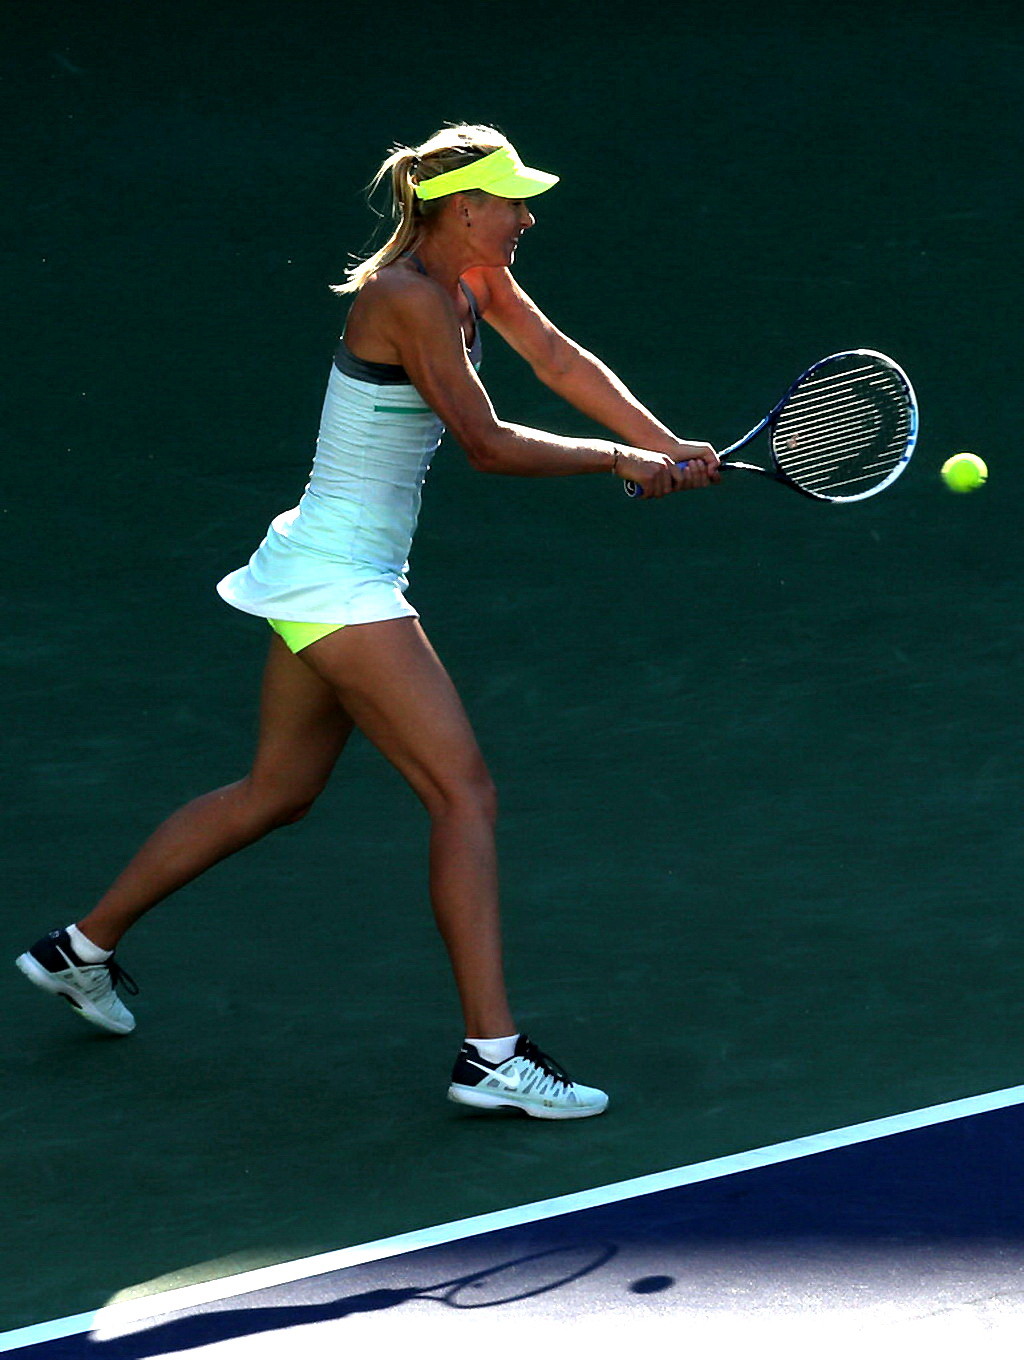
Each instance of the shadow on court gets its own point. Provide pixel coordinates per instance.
(515, 1280)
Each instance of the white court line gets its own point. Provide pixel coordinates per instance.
(119, 1315)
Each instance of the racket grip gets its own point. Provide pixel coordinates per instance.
(632, 489)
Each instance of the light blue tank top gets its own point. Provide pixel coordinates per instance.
(341, 554)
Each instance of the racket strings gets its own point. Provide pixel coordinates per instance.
(845, 428)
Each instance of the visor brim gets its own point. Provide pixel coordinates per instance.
(500, 173)
(523, 184)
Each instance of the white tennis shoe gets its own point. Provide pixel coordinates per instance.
(528, 1081)
(53, 965)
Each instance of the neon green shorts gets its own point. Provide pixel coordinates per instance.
(299, 635)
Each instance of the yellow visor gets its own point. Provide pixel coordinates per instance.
(501, 173)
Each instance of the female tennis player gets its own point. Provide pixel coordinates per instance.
(330, 577)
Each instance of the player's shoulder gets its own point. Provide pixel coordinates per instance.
(491, 287)
(400, 288)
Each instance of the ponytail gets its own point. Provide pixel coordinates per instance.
(452, 147)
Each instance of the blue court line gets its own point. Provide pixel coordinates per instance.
(287, 1272)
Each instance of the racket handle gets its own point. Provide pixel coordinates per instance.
(632, 489)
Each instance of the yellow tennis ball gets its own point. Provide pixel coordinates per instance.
(964, 472)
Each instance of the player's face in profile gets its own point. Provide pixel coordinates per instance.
(498, 224)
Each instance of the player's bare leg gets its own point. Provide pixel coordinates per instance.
(390, 680)
(303, 729)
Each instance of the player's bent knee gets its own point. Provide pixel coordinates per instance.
(489, 801)
(276, 810)
(289, 816)
(469, 795)
(476, 797)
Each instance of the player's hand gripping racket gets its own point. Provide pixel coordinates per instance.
(843, 431)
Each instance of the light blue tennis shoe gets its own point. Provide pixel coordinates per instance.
(53, 965)
(529, 1081)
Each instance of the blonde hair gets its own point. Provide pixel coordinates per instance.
(454, 146)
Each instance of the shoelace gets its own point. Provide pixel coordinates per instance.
(115, 973)
(552, 1070)
(119, 978)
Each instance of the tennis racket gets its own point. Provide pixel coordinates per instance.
(843, 431)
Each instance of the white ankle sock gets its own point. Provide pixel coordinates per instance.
(85, 949)
(495, 1050)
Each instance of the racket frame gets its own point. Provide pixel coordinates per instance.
(775, 472)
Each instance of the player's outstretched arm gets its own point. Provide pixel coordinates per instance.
(578, 376)
(418, 320)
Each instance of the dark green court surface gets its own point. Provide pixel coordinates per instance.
(760, 759)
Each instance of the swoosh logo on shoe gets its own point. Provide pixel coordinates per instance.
(512, 1082)
(72, 966)
(78, 973)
